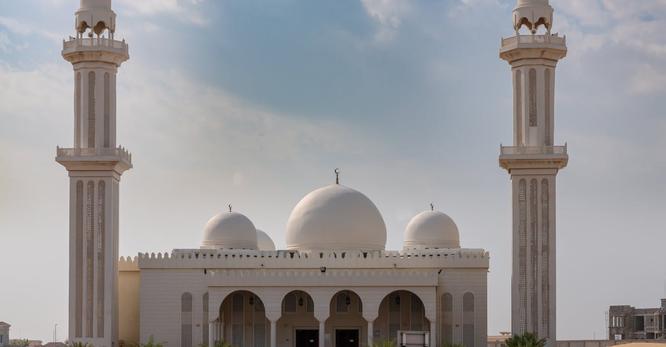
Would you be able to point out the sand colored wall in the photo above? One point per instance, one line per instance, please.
(129, 280)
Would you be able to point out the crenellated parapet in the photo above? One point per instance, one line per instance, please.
(128, 264)
(318, 260)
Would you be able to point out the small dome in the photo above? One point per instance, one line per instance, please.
(229, 230)
(335, 217)
(264, 242)
(431, 229)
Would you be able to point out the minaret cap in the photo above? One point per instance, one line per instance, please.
(96, 15)
(532, 14)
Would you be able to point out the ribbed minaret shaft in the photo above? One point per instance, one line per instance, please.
(95, 165)
(533, 163)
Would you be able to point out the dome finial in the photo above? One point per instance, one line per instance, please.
(432, 207)
(337, 175)
(229, 208)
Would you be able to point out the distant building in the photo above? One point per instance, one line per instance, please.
(4, 334)
(627, 322)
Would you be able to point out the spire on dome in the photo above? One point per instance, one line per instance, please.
(97, 16)
(532, 14)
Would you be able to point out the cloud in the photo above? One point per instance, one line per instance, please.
(25, 29)
(388, 14)
(604, 25)
(183, 10)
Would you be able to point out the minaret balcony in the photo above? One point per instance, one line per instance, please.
(116, 159)
(548, 46)
(533, 157)
(95, 48)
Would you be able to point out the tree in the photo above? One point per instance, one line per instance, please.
(19, 343)
(525, 340)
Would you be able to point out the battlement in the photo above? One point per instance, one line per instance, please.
(287, 259)
(128, 264)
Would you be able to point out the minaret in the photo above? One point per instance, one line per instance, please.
(95, 165)
(533, 162)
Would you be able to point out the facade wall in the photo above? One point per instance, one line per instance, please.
(161, 290)
(160, 304)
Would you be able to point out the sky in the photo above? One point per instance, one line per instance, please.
(254, 103)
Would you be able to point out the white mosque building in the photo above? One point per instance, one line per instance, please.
(335, 284)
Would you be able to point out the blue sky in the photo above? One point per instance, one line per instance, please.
(255, 103)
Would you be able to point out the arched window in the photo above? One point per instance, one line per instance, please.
(101, 241)
(532, 97)
(447, 318)
(204, 319)
(186, 320)
(91, 109)
(468, 319)
(107, 110)
(77, 111)
(518, 106)
(548, 111)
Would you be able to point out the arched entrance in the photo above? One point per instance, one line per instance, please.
(345, 324)
(400, 310)
(243, 320)
(297, 326)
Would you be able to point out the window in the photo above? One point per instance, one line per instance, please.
(639, 323)
(468, 319)
(204, 319)
(532, 98)
(186, 320)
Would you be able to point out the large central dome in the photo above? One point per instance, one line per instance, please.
(335, 217)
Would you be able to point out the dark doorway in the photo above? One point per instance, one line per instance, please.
(346, 338)
(307, 338)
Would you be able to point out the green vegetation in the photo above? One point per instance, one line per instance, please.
(217, 344)
(525, 340)
(383, 343)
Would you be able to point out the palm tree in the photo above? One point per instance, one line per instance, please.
(525, 340)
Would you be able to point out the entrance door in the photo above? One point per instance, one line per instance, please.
(307, 338)
(346, 338)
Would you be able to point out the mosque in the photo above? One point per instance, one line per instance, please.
(335, 284)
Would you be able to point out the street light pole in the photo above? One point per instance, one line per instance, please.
(55, 332)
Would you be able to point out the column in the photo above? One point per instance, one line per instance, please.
(273, 333)
(433, 333)
(322, 333)
(370, 333)
(211, 332)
